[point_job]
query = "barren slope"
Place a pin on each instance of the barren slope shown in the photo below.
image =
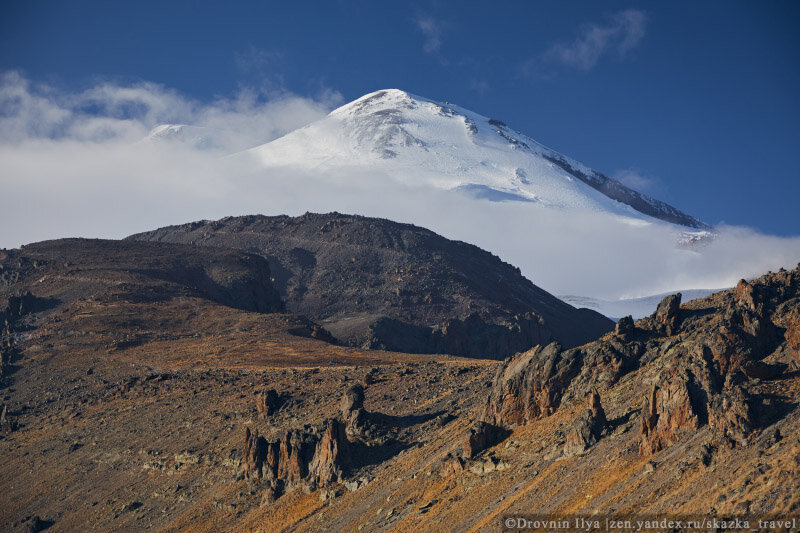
(380, 284)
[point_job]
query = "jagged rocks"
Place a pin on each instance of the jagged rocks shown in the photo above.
(297, 458)
(625, 329)
(480, 437)
(667, 414)
(352, 399)
(296, 451)
(267, 402)
(730, 416)
(254, 455)
(332, 456)
(667, 315)
(745, 295)
(530, 385)
(587, 429)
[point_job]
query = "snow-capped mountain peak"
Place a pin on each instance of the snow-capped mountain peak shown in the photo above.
(421, 142)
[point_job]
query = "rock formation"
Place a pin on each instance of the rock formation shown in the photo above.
(588, 428)
(480, 437)
(298, 457)
(667, 315)
(625, 329)
(703, 361)
(531, 384)
(267, 402)
(667, 415)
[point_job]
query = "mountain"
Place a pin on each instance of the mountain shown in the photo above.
(136, 394)
(424, 143)
(380, 284)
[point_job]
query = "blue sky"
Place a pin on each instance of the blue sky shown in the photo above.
(695, 103)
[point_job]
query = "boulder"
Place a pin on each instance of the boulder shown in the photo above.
(588, 428)
(480, 437)
(625, 328)
(267, 402)
(530, 385)
(352, 399)
(667, 315)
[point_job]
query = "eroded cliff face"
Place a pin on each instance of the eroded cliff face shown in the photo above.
(701, 362)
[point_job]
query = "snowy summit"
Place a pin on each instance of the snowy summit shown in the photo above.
(420, 142)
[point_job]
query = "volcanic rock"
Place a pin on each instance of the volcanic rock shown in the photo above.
(299, 457)
(480, 437)
(667, 415)
(332, 456)
(588, 428)
(529, 386)
(667, 315)
(352, 399)
(378, 284)
(625, 329)
(267, 402)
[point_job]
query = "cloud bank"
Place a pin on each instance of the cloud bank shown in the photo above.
(84, 165)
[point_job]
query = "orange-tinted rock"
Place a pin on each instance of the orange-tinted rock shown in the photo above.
(667, 315)
(529, 386)
(332, 455)
(267, 402)
(480, 437)
(588, 428)
(666, 416)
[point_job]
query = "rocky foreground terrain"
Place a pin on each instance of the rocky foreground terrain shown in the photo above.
(163, 386)
(375, 283)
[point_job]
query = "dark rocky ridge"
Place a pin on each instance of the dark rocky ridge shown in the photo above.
(79, 268)
(699, 365)
(380, 284)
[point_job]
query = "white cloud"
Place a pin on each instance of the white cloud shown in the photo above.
(621, 34)
(636, 179)
(433, 34)
(67, 172)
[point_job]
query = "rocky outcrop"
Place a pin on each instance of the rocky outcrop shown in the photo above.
(356, 418)
(298, 457)
(332, 456)
(625, 329)
(730, 416)
(530, 385)
(703, 359)
(267, 402)
(533, 384)
(480, 437)
(587, 428)
(667, 315)
(667, 415)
